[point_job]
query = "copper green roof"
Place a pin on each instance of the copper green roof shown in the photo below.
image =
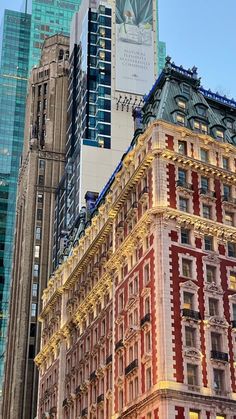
(176, 83)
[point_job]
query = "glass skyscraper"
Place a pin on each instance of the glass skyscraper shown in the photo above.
(13, 84)
(49, 17)
(22, 36)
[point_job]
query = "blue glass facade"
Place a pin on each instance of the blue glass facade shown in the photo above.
(13, 85)
(49, 17)
(21, 41)
(89, 110)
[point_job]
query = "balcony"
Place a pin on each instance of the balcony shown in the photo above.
(207, 192)
(93, 376)
(143, 195)
(233, 324)
(145, 319)
(131, 367)
(109, 360)
(229, 199)
(191, 314)
(100, 399)
(84, 412)
(119, 344)
(184, 185)
(219, 356)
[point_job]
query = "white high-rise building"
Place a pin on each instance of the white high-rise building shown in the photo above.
(113, 63)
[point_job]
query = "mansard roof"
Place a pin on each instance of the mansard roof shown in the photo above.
(176, 83)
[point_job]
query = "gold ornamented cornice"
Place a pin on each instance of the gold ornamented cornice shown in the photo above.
(199, 166)
(200, 225)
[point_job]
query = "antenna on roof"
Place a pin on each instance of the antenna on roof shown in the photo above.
(26, 6)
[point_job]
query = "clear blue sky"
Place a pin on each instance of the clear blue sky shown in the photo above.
(197, 32)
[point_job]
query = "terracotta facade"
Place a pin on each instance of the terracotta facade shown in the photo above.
(139, 321)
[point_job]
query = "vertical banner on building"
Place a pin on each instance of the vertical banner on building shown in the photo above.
(134, 46)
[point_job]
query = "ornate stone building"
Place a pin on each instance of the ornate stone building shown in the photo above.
(41, 169)
(140, 320)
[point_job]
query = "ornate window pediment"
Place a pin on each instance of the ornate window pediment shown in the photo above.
(192, 353)
(211, 258)
(217, 321)
(214, 289)
(189, 285)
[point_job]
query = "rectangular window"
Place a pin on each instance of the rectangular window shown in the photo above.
(40, 198)
(183, 204)
(148, 378)
(182, 176)
(131, 288)
(232, 280)
(231, 249)
(213, 307)
(38, 233)
(226, 191)
(41, 164)
(39, 214)
(208, 243)
(181, 104)
(193, 414)
(41, 180)
(225, 162)
(146, 273)
(121, 365)
(204, 156)
(136, 285)
(33, 309)
(229, 218)
(147, 306)
(206, 211)
(200, 127)
(148, 341)
(34, 290)
(136, 389)
(121, 398)
(36, 251)
(204, 183)
(234, 311)
(36, 270)
(185, 236)
(210, 274)
(219, 134)
(192, 374)
(121, 301)
(180, 119)
(190, 336)
(188, 301)
(131, 391)
(187, 268)
(182, 147)
(215, 342)
(218, 379)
